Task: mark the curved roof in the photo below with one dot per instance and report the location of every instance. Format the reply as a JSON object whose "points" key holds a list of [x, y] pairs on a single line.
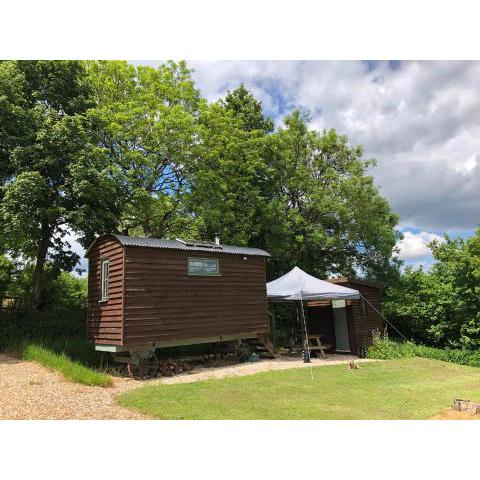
{"points": [[180, 245], [299, 285]]}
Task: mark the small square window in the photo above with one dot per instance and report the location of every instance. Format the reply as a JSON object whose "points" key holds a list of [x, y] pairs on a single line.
{"points": [[338, 303], [203, 266], [104, 280]]}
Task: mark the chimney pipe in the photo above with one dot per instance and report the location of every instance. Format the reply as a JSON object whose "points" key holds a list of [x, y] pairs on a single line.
{"points": [[217, 239]]}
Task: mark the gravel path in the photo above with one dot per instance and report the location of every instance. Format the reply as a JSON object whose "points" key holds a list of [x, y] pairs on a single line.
{"points": [[30, 391], [263, 366]]}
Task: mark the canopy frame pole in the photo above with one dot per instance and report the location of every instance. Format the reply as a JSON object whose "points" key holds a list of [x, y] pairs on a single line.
{"points": [[306, 343]]}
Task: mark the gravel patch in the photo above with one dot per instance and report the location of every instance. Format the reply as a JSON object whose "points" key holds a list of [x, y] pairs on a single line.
{"points": [[29, 391]]}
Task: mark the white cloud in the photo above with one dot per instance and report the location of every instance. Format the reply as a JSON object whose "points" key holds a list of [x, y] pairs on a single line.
{"points": [[415, 245]]}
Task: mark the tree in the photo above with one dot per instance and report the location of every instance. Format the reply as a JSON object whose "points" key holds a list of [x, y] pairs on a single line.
{"points": [[441, 306], [145, 127], [225, 191], [48, 179], [247, 109], [304, 196], [326, 214], [7, 268]]}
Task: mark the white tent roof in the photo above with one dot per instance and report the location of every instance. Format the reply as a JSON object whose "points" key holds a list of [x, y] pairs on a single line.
{"points": [[298, 285]]}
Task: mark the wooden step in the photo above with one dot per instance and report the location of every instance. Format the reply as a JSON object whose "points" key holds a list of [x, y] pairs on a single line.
{"points": [[268, 344]]}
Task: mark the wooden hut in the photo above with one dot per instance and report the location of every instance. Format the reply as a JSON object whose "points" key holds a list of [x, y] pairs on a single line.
{"points": [[145, 293], [347, 326]]}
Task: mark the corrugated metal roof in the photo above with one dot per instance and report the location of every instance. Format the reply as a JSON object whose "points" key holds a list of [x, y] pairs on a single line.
{"points": [[177, 245]]}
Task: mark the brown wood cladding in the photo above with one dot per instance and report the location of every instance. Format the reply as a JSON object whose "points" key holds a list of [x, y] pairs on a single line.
{"points": [[362, 325], [152, 298], [105, 319], [164, 303]]}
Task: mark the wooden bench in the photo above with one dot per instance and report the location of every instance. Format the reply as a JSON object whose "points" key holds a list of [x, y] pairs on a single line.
{"points": [[316, 345]]}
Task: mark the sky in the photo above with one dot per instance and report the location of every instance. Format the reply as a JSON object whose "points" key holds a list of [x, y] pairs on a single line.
{"points": [[419, 120]]}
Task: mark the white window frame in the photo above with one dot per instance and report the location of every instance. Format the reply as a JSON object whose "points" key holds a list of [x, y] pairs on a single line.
{"points": [[203, 274], [104, 279]]}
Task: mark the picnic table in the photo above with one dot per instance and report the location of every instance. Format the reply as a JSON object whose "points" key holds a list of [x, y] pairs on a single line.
{"points": [[316, 345]]}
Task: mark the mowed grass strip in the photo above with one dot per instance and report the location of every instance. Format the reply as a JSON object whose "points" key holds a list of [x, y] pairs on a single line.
{"points": [[412, 388], [73, 371]]}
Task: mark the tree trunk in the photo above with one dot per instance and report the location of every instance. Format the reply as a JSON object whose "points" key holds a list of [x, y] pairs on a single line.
{"points": [[38, 273], [146, 228]]}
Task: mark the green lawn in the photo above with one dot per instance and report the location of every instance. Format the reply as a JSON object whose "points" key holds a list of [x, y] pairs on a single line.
{"points": [[411, 388]]}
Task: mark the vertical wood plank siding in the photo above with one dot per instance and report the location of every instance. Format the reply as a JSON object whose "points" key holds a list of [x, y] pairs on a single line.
{"points": [[105, 319]]}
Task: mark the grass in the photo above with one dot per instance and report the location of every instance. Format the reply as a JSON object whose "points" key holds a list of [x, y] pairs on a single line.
{"points": [[410, 388], [73, 371]]}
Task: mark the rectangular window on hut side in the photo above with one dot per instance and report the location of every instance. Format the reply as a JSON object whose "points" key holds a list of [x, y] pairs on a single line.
{"points": [[203, 266], [105, 273]]}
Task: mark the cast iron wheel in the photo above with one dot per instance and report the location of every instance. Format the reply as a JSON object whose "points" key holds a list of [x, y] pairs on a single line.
{"points": [[147, 368]]}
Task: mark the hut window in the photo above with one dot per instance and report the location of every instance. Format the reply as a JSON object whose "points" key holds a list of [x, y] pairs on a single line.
{"points": [[203, 266], [105, 274]]}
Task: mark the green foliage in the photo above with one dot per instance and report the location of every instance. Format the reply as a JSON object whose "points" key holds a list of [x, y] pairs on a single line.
{"points": [[44, 144], [145, 128], [59, 325], [386, 349], [302, 195], [247, 109], [442, 306], [6, 270], [325, 213], [73, 371], [409, 388]]}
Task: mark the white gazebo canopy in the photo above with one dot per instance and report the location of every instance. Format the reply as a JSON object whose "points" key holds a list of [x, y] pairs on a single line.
{"points": [[299, 285]]}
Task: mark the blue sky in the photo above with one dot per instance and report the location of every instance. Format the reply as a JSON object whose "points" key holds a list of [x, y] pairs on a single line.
{"points": [[419, 120]]}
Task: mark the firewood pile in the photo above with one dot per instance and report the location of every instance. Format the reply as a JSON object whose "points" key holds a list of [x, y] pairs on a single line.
{"points": [[172, 367]]}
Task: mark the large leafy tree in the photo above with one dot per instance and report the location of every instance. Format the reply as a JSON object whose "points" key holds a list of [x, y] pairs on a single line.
{"points": [[225, 193], [145, 128], [441, 306], [324, 212], [304, 196], [48, 183]]}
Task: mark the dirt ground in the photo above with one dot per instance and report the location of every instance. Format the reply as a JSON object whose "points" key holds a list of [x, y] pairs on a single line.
{"points": [[451, 414], [30, 391]]}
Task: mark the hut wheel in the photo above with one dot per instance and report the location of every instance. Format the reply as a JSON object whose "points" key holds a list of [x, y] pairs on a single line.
{"points": [[147, 368]]}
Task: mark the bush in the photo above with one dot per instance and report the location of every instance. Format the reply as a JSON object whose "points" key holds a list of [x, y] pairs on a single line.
{"points": [[73, 371], [59, 325], [387, 349]]}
